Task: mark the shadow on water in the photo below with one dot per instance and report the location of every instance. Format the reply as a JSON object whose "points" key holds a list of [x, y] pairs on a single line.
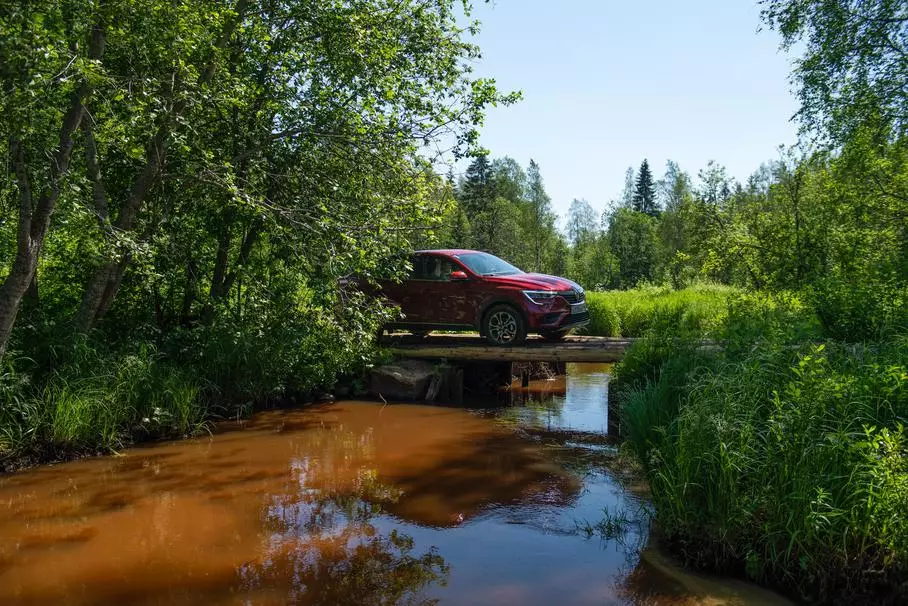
{"points": [[353, 503]]}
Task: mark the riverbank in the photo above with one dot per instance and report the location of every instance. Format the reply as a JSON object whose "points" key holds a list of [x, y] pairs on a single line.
{"points": [[781, 457], [68, 396]]}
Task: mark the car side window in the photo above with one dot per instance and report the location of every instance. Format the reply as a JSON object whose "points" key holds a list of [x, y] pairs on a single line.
{"points": [[430, 267], [434, 268], [419, 267], [447, 266]]}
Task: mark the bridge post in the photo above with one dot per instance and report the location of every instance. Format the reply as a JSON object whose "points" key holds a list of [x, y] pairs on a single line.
{"points": [[613, 419]]}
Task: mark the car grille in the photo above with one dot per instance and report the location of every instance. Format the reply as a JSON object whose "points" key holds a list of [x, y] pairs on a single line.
{"points": [[572, 296]]}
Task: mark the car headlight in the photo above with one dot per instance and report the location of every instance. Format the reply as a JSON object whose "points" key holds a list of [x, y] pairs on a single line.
{"points": [[540, 297]]}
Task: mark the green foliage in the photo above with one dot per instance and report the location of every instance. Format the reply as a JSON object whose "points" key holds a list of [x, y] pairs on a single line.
{"points": [[604, 318], [645, 191], [98, 401], [633, 240], [633, 313], [770, 457], [854, 62], [229, 162], [504, 210]]}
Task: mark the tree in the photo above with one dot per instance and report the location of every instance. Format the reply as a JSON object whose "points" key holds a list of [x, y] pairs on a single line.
{"points": [[634, 243], [581, 222], [541, 219], [676, 193], [715, 185], [855, 62], [644, 199], [280, 138], [675, 187], [627, 194], [478, 188]]}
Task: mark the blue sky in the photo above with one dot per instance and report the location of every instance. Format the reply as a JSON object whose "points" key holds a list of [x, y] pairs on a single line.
{"points": [[607, 83]]}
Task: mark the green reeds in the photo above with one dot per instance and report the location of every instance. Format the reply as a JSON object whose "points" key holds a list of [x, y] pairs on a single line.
{"points": [[786, 463], [631, 313]]}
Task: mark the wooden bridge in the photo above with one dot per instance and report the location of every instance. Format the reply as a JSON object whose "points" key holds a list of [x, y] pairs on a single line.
{"points": [[535, 349]]}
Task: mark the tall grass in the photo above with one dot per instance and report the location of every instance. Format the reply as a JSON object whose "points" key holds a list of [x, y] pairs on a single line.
{"points": [[784, 462], [86, 395], [97, 402], [631, 313]]}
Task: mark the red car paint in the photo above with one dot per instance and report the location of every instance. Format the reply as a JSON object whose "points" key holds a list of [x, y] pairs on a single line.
{"points": [[444, 292]]}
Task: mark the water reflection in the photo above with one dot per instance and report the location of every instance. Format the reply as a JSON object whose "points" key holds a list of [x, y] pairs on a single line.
{"points": [[349, 503]]}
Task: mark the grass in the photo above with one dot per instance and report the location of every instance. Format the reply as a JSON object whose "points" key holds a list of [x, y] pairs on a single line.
{"points": [[87, 395], [631, 313], [95, 403], [777, 457]]}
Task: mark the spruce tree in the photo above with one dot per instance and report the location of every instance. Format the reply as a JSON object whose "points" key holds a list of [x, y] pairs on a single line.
{"points": [[477, 189], [645, 191]]}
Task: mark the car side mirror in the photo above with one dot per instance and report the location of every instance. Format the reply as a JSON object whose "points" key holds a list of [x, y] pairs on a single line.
{"points": [[458, 275]]}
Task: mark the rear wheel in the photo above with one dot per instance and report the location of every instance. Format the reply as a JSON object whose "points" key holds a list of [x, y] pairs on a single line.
{"points": [[504, 325], [554, 335]]}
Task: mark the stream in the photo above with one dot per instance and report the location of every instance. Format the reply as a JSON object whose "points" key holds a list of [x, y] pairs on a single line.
{"points": [[356, 502]]}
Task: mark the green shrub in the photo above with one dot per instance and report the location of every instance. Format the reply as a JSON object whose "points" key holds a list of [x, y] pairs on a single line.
{"points": [[780, 318], [99, 401], [771, 456], [861, 310]]}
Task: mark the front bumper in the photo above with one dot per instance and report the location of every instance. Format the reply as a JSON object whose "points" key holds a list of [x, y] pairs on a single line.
{"points": [[562, 318]]}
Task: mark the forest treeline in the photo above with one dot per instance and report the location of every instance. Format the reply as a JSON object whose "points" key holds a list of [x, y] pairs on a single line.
{"points": [[831, 222]]}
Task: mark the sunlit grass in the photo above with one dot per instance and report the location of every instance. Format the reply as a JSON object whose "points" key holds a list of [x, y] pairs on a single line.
{"points": [[630, 313], [99, 403], [775, 456]]}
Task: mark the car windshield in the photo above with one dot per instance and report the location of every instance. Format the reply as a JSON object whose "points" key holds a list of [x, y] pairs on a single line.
{"points": [[485, 264]]}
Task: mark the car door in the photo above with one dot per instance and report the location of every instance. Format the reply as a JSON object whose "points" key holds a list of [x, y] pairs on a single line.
{"points": [[409, 293], [448, 301]]}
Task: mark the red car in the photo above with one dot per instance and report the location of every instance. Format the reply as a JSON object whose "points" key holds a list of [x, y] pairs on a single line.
{"points": [[472, 290]]}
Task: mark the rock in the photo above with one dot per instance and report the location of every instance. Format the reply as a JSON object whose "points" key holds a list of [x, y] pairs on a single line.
{"points": [[403, 380]]}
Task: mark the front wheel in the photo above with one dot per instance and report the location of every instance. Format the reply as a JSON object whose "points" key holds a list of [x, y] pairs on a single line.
{"points": [[503, 325]]}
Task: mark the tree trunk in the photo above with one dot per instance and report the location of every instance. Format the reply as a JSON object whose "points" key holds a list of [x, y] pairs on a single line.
{"points": [[34, 219], [103, 285], [222, 280]]}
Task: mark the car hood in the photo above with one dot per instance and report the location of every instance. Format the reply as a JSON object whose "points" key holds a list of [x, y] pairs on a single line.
{"points": [[535, 282]]}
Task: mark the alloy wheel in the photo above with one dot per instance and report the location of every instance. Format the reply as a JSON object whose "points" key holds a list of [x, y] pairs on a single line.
{"points": [[502, 326]]}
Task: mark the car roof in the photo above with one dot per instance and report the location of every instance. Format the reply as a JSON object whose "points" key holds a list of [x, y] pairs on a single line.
{"points": [[447, 251]]}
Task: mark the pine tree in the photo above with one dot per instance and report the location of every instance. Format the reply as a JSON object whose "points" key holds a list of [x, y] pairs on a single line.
{"points": [[645, 191]]}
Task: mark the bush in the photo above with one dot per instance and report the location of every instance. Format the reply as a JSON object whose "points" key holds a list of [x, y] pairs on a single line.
{"points": [[604, 318], [792, 466], [861, 310]]}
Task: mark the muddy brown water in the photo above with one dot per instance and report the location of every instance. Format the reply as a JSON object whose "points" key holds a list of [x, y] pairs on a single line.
{"points": [[354, 503]]}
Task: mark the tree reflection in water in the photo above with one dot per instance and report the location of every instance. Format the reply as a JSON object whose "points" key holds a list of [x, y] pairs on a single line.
{"points": [[347, 568], [322, 547]]}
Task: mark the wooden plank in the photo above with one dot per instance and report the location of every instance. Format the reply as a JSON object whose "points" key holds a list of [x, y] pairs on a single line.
{"points": [[573, 349]]}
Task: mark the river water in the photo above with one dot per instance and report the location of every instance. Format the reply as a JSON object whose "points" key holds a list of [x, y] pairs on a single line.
{"points": [[355, 503]]}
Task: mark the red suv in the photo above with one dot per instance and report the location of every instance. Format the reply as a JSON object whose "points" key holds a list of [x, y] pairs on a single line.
{"points": [[472, 290]]}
